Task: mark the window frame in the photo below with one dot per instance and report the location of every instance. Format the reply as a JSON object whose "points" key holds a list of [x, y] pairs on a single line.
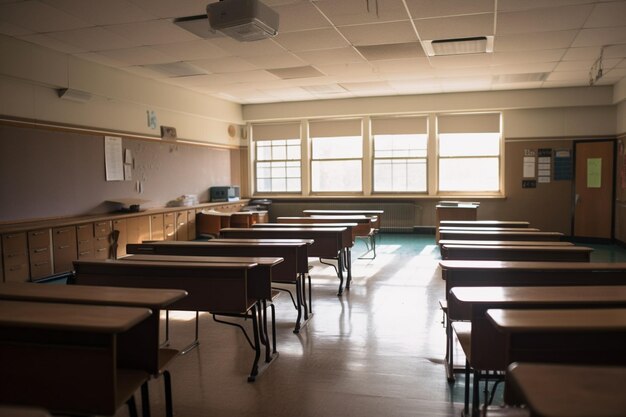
{"points": [[373, 165], [255, 165]]}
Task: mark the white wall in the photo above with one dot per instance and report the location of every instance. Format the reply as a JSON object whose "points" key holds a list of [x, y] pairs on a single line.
{"points": [[30, 74]]}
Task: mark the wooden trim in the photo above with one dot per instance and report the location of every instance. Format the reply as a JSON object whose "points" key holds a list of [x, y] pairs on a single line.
{"points": [[568, 138]]}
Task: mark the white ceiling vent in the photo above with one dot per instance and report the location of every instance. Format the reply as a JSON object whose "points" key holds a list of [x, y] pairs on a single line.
{"points": [[459, 46], [520, 78], [325, 89], [176, 69]]}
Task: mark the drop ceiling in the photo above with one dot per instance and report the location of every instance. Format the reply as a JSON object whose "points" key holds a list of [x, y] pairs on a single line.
{"points": [[329, 49]]}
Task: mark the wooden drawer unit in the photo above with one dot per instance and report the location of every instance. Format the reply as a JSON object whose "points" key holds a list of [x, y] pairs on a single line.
{"points": [[85, 241], [169, 226], [191, 224], [15, 257], [65, 248], [181, 225], [121, 226], [102, 234], [138, 229], [156, 227], [40, 253]]}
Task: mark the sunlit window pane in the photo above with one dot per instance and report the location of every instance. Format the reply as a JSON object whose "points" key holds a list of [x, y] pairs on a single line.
{"points": [[400, 175], [469, 144], [337, 148], [283, 156], [469, 174], [336, 176]]}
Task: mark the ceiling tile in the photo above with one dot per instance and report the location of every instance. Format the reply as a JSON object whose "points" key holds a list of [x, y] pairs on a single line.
{"points": [[516, 86], [607, 14], [293, 93], [515, 5], [391, 51], [581, 54], [543, 20], [138, 56], [354, 12], [607, 64], [246, 77], [286, 59], [366, 86], [569, 76], [100, 12], [153, 32], [39, 17], [507, 58], [521, 68], [466, 84], [225, 65], [169, 8], [93, 39], [455, 27], [409, 66], [311, 40], [10, 29], [600, 37], [534, 41], [379, 33], [347, 69], [248, 49], [336, 56], [427, 8], [49, 42], [461, 61], [189, 51], [615, 51], [425, 86], [101, 59], [300, 16]]}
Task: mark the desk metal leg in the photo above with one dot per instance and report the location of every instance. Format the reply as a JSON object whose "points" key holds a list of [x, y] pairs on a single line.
{"points": [[195, 342], [340, 271], [305, 306], [348, 253], [257, 346], [145, 400], [167, 382], [476, 393], [299, 304], [310, 294], [132, 406], [467, 389]]}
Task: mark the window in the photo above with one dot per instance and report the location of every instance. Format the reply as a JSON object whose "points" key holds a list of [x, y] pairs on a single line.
{"points": [[469, 153], [277, 158], [336, 156], [400, 146]]}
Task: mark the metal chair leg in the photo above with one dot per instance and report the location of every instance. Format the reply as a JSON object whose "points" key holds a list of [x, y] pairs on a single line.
{"points": [[167, 383], [145, 400], [132, 406]]}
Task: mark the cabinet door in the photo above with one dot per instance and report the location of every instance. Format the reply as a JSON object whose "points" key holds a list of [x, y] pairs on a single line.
{"points": [[40, 253], [181, 225], [156, 227], [65, 250], [122, 239], [191, 224], [169, 226], [15, 257], [138, 229], [85, 241], [101, 244]]}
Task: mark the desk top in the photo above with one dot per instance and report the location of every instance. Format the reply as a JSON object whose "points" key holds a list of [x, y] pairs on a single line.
{"points": [[565, 320], [286, 230], [503, 242], [341, 218], [522, 295], [70, 317], [163, 265], [265, 261], [484, 223], [487, 229], [152, 298], [570, 390], [305, 225], [344, 211], [495, 233], [519, 265], [521, 248], [298, 242]]}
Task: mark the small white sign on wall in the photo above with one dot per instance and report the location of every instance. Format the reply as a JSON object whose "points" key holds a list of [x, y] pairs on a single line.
{"points": [[113, 158]]}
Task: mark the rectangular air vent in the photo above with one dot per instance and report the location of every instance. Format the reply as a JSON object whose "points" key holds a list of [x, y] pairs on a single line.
{"points": [[176, 69], [459, 46], [520, 78]]}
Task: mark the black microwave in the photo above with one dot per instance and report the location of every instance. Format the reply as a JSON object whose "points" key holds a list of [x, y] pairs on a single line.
{"points": [[225, 193]]}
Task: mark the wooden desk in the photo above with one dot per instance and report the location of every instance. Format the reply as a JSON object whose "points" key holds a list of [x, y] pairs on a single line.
{"points": [[487, 229], [292, 270], [484, 223], [594, 336], [15, 411], [152, 359], [516, 253], [353, 227], [567, 390], [377, 215], [210, 222], [504, 242], [219, 288], [329, 242], [456, 211], [493, 235], [63, 357]]}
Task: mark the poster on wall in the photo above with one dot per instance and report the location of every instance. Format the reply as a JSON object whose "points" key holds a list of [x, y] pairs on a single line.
{"points": [[544, 165], [562, 164], [113, 158]]}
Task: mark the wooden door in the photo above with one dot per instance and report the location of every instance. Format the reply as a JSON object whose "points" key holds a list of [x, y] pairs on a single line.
{"points": [[594, 189]]}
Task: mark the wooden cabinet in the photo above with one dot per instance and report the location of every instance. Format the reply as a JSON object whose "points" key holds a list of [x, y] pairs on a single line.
{"points": [[138, 229], [156, 227], [181, 225], [191, 224], [85, 241], [101, 244], [65, 248], [15, 257], [169, 226], [122, 237], [39, 253]]}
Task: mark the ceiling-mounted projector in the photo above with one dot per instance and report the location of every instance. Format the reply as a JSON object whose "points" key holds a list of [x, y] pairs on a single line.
{"points": [[243, 20]]}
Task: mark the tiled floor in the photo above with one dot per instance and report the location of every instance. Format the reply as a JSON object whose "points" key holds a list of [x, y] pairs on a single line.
{"points": [[375, 351]]}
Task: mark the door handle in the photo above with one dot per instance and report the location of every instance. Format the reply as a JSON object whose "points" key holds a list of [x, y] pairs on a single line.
{"points": [[576, 199]]}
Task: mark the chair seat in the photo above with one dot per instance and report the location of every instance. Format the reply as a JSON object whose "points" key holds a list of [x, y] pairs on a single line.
{"points": [[463, 330]]}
